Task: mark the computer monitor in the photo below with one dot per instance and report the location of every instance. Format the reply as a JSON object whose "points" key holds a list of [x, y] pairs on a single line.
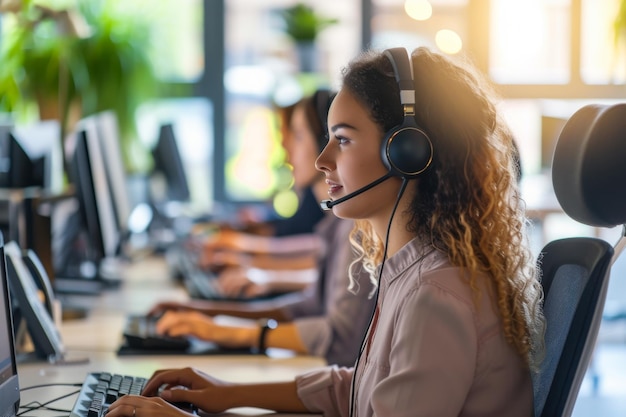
{"points": [[109, 139], [168, 165], [24, 289], [30, 156], [5, 154], [88, 174], [9, 383], [551, 127]]}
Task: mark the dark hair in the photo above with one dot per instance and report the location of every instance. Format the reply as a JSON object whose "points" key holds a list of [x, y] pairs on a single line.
{"points": [[316, 109]]}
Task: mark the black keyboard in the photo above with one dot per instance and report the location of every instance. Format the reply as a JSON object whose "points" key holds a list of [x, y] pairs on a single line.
{"points": [[199, 282], [100, 389], [140, 333]]}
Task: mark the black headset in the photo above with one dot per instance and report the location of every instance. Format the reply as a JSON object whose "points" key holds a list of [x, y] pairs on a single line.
{"points": [[406, 150]]}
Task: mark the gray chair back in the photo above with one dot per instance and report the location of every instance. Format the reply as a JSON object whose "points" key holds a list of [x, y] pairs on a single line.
{"points": [[589, 179]]}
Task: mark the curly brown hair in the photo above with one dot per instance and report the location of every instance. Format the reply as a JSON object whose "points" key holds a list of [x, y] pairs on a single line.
{"points": [[468, 202]]}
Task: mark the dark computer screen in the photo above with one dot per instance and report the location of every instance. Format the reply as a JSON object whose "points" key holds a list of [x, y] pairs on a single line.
{"points": [[30, 155], [168, 165], [88, 176], [9, 385], [5, 155], [23, 287]]}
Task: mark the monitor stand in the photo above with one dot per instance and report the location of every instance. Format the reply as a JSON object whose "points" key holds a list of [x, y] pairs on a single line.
{"points": [[88, 278]]}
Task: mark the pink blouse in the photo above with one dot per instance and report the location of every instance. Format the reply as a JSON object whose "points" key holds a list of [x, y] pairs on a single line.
{"points": [[434, 351]]}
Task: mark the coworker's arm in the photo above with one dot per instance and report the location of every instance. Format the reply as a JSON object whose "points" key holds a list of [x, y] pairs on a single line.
{"points": [[285, 336], [281, 262], [278, 308], [248, 243], [255, 282], [218, 259]]}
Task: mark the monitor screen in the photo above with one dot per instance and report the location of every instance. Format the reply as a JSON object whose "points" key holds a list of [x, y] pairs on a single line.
{"points": [[551, 127], [9, 384], [88, 174], [31, 156], [5, 155], [109, 139], [23, 287], [168, 165]]}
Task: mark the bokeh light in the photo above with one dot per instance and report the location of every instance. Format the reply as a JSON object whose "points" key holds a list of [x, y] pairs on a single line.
{"points": [[448, 41], [286, 203], [418, 9]]}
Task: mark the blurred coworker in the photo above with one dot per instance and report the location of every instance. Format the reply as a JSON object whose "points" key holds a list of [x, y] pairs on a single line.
{"points": [[309, 212], [326, 319], [292, 248]]}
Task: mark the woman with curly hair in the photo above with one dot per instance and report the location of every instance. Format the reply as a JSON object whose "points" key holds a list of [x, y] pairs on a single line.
{"points": [[426, 168]]}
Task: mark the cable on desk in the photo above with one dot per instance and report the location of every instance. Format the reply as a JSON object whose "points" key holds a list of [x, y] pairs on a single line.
{"points": [[73, 384], [28, 407], [40, 406], [36, 405]]}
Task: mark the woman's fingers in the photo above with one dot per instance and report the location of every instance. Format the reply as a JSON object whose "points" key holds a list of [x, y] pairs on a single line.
{"points": [[138, 406]]}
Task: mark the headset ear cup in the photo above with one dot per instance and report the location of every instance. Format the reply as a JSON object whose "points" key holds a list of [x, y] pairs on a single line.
{"points": [[407, 151]]}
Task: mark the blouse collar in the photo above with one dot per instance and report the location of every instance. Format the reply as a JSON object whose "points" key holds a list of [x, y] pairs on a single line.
{"points": [[415, 251]]}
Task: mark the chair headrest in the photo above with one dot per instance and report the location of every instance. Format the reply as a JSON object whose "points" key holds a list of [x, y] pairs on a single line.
{"points": [[589, 166]]}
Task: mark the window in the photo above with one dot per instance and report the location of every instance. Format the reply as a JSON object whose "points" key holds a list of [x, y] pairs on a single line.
{"points": [[530, 42], [554, 56], [263, 68], [602, 60]]}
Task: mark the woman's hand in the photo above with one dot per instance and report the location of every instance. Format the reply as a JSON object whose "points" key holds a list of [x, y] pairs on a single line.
{"points": [[174, 386], [192, 323], [138, 406]]}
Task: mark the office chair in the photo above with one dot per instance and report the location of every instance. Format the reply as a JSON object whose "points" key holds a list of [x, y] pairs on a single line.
{"points": [[588, 174]]}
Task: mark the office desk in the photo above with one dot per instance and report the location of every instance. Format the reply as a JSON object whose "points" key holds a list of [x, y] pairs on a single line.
{"points": [[97, 337], [251, 368]]}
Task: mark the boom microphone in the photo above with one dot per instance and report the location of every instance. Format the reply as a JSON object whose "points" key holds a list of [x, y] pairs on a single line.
{"points": [[328, 204]]}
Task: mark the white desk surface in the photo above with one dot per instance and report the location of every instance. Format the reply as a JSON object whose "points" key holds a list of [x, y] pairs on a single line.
{"points": [[97, 337]]}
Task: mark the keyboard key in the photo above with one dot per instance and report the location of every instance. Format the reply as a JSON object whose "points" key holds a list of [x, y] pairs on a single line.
{"points": [[99, 390]]}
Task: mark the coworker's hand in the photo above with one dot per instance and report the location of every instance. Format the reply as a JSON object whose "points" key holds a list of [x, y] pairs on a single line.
{"points": [[225, 239], [218, 259], [236, 282], [201, 326], [221, 249], [163, 306]]}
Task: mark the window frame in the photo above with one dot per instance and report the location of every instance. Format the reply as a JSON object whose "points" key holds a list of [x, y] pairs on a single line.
{"points": [[576, 88]]}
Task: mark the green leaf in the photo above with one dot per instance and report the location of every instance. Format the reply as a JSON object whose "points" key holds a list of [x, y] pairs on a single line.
{"points": [[302, 24]]}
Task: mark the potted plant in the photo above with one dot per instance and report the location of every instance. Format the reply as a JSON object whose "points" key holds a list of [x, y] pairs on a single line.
{"points": [[71, 63], [303, 25]]}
